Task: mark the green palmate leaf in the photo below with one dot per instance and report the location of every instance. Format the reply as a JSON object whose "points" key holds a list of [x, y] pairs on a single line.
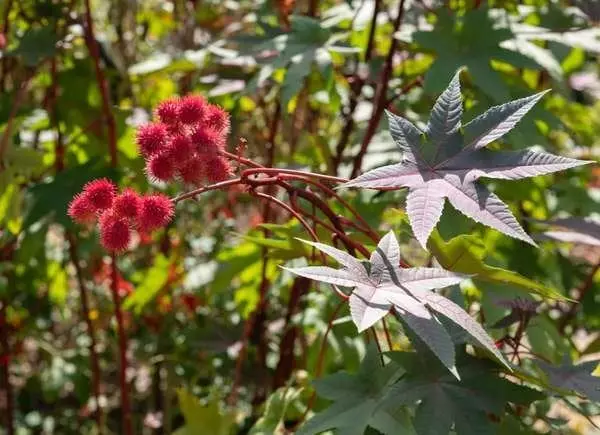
{"points": [[202, 420], [465, 254], [446, 402], [472, 41], [36, 44], [449, 162], [356, 398]]}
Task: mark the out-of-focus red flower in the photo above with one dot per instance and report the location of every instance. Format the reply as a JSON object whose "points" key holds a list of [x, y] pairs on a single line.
{"points": [[160, 167], [168, 111], [115, 233], [127, 204], [155, 212], [81, 209]]}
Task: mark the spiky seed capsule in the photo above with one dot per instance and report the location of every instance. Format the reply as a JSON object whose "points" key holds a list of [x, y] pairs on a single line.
{"points": [[217, 169], [160, 167], [192, 172], [115, 233], [207, 140], [151, 138], [127, 204], [180, 149], [81, 210], [100, 193], [155, 212], [168, 111], [192, 109], [217, 118]]}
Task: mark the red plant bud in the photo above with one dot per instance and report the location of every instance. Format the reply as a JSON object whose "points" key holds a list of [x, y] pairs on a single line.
{"points": [[217, 169], [155, 212], [81, 210], [168, 111], [115, 233], [127, 204], [100, 193], [207, 140], [160, 167], [151, 138], [192, 172], [180, 150], [192, 109], [217, 118]]}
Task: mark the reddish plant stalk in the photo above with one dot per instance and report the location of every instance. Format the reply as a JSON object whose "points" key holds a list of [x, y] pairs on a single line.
{"points": [[85, 308], [18, 100], [380, 96], [92, 45], [122, 338], [5, 365], [584, 288]]}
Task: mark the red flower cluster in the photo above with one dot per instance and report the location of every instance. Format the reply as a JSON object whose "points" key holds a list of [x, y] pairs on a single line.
{"points": [[119, 214], [185, 141]]}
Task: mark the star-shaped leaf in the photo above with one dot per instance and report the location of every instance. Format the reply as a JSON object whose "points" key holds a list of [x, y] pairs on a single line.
{"points": [[576, 378], [356, 399], [383, 285], [445, 162], [447, 402], [576, 230]]}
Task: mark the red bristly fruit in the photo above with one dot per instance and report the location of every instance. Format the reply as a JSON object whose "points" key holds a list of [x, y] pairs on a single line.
{"points": [[161, 167], [192, 109], [217, 118], [127, 204], [115, 232], [180, 150], [168, 111], [217, 169], [155, 211], [81, 210], [151, 138], [100, 193], [192, 172], [207, 140]]}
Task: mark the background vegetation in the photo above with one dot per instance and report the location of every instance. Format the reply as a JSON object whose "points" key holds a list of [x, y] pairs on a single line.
{"points": [[208, 335]]}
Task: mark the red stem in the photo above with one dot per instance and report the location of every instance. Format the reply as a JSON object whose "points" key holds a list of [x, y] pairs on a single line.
{"points": [[380, 96], [125, 403], [92, 45], [5, 365], [584, 288], [85, 308]]}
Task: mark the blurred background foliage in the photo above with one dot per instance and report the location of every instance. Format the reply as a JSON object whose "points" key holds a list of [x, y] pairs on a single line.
{"points": [[305, 83]]}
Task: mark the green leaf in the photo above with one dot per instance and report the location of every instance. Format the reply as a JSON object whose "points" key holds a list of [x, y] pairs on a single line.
{"points": [[576, 378], [356, 398], [271, 422], [36, 44], [202, 420], [154, 280], [445, 400], [465, 254], [57, 283]]}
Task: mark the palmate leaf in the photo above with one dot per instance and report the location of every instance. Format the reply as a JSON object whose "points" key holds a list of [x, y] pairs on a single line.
{"points": [[576, 378], [575, 230], [386, 286], [447, 402], [446, 162]]}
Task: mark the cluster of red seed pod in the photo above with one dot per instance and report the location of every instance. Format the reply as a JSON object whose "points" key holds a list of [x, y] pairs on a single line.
{"points": [[185, 140], [118, 214]]}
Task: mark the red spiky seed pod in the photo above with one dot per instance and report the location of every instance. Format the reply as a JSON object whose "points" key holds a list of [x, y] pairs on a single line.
{"points": [[100, 193], [155, 211], [127, 204], [217, 118], [207, 140], [81, 210], [192, 172], [168, 111], [151, 138], [160, 167], [192, 109], [115, 233], [180, 149], [217, 169]]}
